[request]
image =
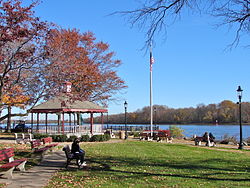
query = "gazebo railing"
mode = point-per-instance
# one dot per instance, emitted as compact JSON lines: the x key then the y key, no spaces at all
{"x":55,"y":129}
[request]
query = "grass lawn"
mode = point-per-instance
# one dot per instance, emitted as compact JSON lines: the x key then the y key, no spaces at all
{"x":150,"y":164}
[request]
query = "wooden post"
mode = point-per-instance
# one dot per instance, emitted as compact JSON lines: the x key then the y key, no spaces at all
{"x":102,"y":120}
{"x":63,"y":122}
{"x":70,"y":122}
{"x":91,"y":123}
{"x":58,"y":122}
{"x":46,"y":122}
{"x":32,"y":121}
{"x":37,"y":122}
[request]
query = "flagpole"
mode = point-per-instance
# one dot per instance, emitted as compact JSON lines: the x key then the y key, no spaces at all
{"x":151,"y":93}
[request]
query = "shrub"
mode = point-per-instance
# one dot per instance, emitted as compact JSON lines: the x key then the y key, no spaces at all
{"x":59,"y":138}
{"x":176,"y":132}
{"x":95,"y":138}
{"x":39,"y":135}
{"x":100,"y":138}
{"x":85,"y":138}
{"x":71,"y":138}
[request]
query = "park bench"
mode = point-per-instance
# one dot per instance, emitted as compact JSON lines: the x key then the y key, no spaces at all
{"x":48,"y":142}
{"x":199,"y":139}
{"x":42,"y":145}
{"x":37,"y":146}
{"x":6,"y":169}
{"x":158,"y":135}
{"x":70,"y":156}
{"x":23,"y":138}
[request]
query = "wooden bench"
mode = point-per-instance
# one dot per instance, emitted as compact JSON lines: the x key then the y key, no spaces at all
{"x":37,"y":146}
{"x":23,"y":138}
{"x":70,"y":157}
{"x":48,"y":142}
{"x":6,"y":169}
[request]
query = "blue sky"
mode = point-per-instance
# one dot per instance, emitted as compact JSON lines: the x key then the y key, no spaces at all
{"x":191,"y":63}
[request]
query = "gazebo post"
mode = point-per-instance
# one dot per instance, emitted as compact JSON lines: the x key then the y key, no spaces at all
{"x":69,"y":122}
{"x":32,"y":119}
{"x":74,"y":118}
{"x":46,"y":122}
{"x":102,"y":120}
{"x":78,"y":118}
{"x":63,"y":122}
{"x":91,"y":122}
{"x":37,"y":122}
{"x":58,"y":122}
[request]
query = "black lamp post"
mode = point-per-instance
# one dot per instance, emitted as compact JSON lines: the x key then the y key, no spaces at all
{"x":239,"y":91}
{"x":125,"y":107}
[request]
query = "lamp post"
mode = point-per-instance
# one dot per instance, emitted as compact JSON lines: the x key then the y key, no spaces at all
{"x":125,"y":108}
{"x":239,"y":91}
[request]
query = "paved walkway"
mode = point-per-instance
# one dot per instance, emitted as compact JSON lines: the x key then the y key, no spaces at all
{"x":38,"y":176}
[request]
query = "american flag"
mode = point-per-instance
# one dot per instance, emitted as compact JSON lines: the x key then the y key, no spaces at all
{"x":151,"y":60}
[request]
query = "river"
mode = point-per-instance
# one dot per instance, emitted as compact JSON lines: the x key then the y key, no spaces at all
{"x":219,"y":131}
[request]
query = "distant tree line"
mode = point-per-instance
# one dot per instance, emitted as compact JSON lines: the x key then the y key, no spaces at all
{"x":226,"y":112}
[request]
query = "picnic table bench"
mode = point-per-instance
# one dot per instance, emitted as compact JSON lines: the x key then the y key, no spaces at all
{"x":6,"y":169}
{"x":23,"y":138}
{"x":70,"y":156}
{"x":42,"y":145}
{"x":48,"y":142}
{"x":205,"y":138}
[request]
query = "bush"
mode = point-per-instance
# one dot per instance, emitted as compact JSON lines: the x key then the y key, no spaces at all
{"x":39,"y":135}
{"x":100,"y":138}
{"x":176,"y":132}
{"x":59,"y":138}
{"x":72,"y":138}
{"x":85,"y":138}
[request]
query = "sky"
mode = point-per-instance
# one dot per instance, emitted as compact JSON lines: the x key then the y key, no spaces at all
{"x":192,"y":62}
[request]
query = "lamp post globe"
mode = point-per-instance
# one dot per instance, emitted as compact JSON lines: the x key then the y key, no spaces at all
{"x":239,"y":92}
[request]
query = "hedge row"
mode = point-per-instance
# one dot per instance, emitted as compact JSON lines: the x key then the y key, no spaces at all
{"x":84,"y":138}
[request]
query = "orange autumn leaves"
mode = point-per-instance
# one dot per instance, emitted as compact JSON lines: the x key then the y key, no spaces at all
{"x":13,"y":98}
{"x":89,"y":65}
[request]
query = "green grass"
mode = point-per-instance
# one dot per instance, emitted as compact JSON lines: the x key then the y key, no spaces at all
{"x":150,"y":164}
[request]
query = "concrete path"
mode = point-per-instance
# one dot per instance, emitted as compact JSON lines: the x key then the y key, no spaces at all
{"x":38,"y":176}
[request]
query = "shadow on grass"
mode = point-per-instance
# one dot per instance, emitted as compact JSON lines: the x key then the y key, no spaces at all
{"x":201,"y":169}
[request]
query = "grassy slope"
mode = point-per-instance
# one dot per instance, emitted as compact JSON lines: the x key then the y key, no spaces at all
{"x":150,"y":164}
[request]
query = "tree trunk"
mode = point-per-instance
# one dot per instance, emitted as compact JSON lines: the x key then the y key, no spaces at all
{"x":9,"y":119}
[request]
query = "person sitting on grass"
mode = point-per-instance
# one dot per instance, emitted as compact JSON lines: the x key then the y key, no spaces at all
{"x":78,"y":152}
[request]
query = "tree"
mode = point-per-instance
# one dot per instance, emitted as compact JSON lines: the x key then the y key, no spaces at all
{"x":89,"y":65}
{"x":21,"y":53}
{"x":153,"y":16}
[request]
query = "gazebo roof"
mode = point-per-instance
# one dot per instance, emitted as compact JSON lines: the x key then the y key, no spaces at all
{"x":62,"y":104}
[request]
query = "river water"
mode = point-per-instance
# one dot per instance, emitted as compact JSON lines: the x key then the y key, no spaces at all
{"x":219,"y":131}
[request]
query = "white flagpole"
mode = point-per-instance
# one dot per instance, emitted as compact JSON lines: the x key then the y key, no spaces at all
{"x":151,"y":93}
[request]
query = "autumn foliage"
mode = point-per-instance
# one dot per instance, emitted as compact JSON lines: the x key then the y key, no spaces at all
{"x":89,"y":65}
{"x":21,"y":51}
{"x":36,"y":58}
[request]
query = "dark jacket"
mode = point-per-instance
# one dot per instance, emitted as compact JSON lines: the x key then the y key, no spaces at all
{"x":75,"y":148}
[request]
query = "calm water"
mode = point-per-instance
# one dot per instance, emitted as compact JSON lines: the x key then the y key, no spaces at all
{"x":218,"y":130}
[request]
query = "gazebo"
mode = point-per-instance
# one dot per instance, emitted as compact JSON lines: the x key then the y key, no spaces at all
{"x":63,"y":108}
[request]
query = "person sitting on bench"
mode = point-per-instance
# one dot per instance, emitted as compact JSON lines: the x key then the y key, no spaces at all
{"x":78,"y":152}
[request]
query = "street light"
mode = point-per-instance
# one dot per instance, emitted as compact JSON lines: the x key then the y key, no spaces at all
{"x":239,"y":91}
{"x":125,"y":107}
